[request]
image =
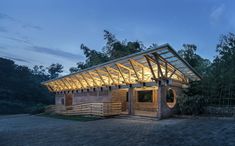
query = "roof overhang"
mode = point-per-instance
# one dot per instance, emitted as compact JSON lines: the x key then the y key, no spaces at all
{"x":153,"y":64}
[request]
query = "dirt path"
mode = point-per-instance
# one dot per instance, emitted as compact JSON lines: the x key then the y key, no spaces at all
{"x":29,"y":130}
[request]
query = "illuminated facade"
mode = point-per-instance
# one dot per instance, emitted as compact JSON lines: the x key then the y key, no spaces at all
{"x":144,"y":83}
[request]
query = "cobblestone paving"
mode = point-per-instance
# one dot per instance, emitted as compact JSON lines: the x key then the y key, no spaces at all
{"x":27,"y":130}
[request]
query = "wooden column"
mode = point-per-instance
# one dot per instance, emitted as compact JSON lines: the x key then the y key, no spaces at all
{"x":131,"y":101}
{"x":161,"y":100}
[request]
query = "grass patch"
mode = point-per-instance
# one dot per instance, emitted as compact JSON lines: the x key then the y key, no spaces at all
{"x":81,"y":118}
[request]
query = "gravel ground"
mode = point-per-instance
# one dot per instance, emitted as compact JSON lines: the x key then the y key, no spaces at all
{"x":27,"y":130}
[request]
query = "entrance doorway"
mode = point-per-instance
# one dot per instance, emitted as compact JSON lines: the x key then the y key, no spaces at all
{"x":146,"y":101}
{"x":143,"y":101}
{"x":68,"y":99}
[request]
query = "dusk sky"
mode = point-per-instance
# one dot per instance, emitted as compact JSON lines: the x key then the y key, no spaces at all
{"x":49,"y":31}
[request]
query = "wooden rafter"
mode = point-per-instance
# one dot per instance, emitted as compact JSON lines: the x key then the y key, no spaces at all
{"x":118,"y":73}
{"x":57,"y":84}
{"x":123,"y":66}
{"x":74,"y":83}
{"x":150,"y":66}
{"x":168,"y":68}
{"x":104,"y":74}
{"x":172,"y":73}
{"x":97,"y":77}
{"x":119,"y":69}
{"x":169,"y":63}
{"x":137,"y":63}
{"x":127,"y":68}
{"x":107,"y":75}
{"x":150,"y":59}
{"x":62,"y":85}
{"x":111,"y":77}
{"x":110,"y":68}
{"x":94,"y":81}
{"x":129,"y":76}
{"x":80,"y":82}
{"x":54,"y":86}
{"x":133,"y":67}
{"x":142,"y":74}
{"x":65,"y":85}
{"x":119,"y":81}
{"x":162,"y":62}
{"x":50,"y":88}
{"x":156,"y":56}
{"x":85,"y":79}
{"x":68,"y":83}
{"x":101,"y":78}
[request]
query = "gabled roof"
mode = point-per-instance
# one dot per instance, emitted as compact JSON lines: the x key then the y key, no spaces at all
{"x":146,"y":66}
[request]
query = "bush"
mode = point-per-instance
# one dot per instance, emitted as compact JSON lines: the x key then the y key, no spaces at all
{"x":37,"y":109}
{"x":191,"y":105}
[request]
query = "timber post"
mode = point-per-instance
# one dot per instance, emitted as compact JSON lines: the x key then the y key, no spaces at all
{"x":131,"y":101}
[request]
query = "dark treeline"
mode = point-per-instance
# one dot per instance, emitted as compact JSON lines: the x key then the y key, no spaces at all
{"x":21,"y":89}
{"x":219,"y":75}
{"x":217,"y":86}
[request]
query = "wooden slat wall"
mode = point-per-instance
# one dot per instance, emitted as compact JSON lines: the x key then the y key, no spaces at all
{"x":98,"y":109}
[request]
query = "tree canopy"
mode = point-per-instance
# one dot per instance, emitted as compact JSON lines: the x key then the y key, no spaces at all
{"x":218,"y":77}
{"x":54,"y":70}
{"x":188,"y":52}
{"x":20,"y":87}
{"x":113,"y":49}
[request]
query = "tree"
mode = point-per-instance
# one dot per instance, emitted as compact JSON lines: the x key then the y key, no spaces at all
{"x":73,"y":69}
{"x":7,"y":69}
{"x":80,"y":66}
{"x":54,"y":70}
{"x":192,"y":101}
{"x":113,"y":49}
{"x":224,"y":63}
{"x":188,"y":52}
{"x":116,"y":49}
{"x":20,"y":88}
{"x":93,"y":57}
{"x":223,"y":67}
{"x":110,"y":40}
{"x":218,"y":81}
{"x":39,"y":70}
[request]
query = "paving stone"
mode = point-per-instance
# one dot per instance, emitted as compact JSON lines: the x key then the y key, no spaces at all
{"x":27,"y":130}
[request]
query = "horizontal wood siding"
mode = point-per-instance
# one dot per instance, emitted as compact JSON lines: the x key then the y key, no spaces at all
{"x":98,"y":109}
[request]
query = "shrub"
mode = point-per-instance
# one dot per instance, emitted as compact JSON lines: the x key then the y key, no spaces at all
{"x":37,"y":109}
{"x":191,"y":105}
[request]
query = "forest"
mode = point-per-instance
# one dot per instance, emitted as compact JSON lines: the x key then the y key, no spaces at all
{"x":21,"y":90}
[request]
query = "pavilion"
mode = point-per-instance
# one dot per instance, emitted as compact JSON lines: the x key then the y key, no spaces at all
{"x":145,"y":83}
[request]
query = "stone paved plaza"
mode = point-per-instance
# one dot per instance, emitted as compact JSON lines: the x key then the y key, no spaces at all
{"x":27,"y":130}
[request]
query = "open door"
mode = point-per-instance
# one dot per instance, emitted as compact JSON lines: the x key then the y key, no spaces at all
{"x":68,"y":99}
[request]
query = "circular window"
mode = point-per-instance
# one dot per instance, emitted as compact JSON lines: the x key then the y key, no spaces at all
{"x":170,"y":98}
